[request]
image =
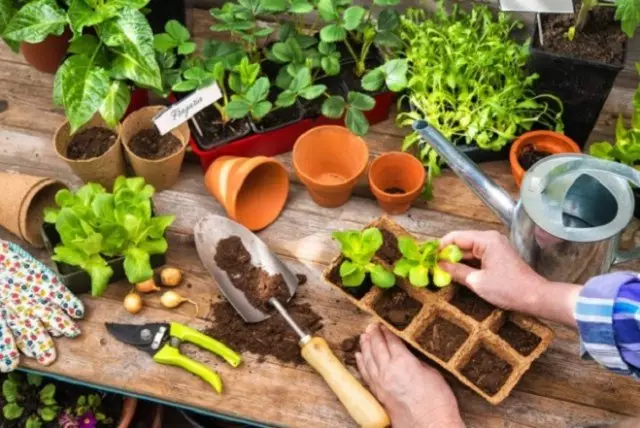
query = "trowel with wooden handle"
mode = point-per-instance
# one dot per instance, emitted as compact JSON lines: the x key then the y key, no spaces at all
{"x":209,"y":231}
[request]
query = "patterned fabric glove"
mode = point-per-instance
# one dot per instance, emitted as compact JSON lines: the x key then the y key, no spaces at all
{"x":33,"y":303}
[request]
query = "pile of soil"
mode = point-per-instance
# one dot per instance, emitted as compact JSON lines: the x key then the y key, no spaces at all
{"x":256,"y":284}
{"x":471,"y":304}
{"x":349,"y":347}
{"x":356,"y":292}
{"x":520,"y":339}
{"x":394,"y":191}
{"x":217,"y":133}
{"x":389,"y":252}
{"x":601,"y":39}
{"x":442,"y":338}
{"x":487,"y":371}
{"x":149,"y":144}
{"x":530,"y":156}
{"x":272,"y":336}
{"x":91,"y":143}
{"x":397,"y":307}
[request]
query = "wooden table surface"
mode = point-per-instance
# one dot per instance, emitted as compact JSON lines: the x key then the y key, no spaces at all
{"x":559,"y":390}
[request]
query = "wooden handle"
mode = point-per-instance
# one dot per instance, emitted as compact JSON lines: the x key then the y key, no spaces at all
{"x":361,"y":405}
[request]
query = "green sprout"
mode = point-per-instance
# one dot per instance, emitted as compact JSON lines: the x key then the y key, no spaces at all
{"x":421,"y":260}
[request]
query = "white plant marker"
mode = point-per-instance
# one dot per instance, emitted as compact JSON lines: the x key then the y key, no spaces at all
{"x":186,"y":108}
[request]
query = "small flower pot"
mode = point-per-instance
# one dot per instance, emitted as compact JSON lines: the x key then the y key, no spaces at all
{"x":548,"y":142}
{"x":253,"y":191}
{"x":328,"y":160}
{"x":160,"y":173}
{"x":47,"y":55}
{"x":103,"y":169}
{"x":396,"y":179}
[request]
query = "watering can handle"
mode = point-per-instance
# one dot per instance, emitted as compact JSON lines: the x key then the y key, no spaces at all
{"x":590,"y":164}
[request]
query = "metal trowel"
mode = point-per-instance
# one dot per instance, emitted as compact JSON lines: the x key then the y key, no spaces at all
{"x":210,"y":230}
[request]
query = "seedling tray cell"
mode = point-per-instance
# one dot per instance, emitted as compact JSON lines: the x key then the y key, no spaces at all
{"x":457,"y":329}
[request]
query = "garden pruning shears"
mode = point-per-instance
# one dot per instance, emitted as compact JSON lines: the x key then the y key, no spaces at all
{"x":162,"y":341}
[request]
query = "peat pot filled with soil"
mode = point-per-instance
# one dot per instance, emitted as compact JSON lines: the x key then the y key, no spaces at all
{"x":93,"y":152}
{"x":581,"y":72}
{"x":157,"y":158}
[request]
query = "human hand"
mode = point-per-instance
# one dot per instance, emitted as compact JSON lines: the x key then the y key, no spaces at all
{"x":32,"y":304}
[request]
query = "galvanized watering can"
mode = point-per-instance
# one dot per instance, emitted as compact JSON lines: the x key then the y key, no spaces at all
{"x":570,"y":215}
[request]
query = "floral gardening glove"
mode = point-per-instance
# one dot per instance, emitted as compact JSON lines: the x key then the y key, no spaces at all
{"x":32,"y":304}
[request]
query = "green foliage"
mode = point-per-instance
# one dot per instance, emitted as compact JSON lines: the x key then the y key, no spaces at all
{"x":355,"y":104}
{"x":421,"y":260}
{"x":358,"y":248}
{"x":300,"y":86}
{"x":172,"y":47}
{"x":93,"y":224}
{"x":16,"y":389}
{"x":627,"y":12}
{"x":34,"y":21}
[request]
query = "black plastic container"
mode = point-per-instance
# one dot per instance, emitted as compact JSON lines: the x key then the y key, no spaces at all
{"x":162,"y":11}
{"x":77,"y":280}
{"x":582,"y":85}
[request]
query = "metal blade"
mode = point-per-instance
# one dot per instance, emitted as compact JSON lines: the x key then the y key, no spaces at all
{"x":210,"y":230}
{"x":140,"y":336}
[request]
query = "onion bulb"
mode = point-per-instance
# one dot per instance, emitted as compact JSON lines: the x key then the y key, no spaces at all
{"x":171,"y":299}
{"x":133,"y":303}
{"x":147,"y":286}
{"x":170,"y":277}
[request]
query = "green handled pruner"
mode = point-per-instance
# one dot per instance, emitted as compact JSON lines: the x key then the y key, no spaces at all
{"x":162,"y":342}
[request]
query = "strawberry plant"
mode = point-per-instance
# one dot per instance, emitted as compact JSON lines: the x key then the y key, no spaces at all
{"x":173,"y":48}
{"x":420,"y":260}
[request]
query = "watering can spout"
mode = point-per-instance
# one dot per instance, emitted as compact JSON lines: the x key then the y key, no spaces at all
{"x":494,"y":196}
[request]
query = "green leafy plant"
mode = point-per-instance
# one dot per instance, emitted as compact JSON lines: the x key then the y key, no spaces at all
{"x":20,"y":391}
{"x":358,"y":248}
{"x":627,"y":12}
{"x":30,"y":21}
{"x":88,"y":411}
{"x":94,"y":224}
{"x":173,"y":48}
{"x":420,"y":260}
{"x":355,"y":104}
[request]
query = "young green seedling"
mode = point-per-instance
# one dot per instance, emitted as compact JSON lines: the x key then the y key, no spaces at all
{"x":301,"y":86}
{"x":172,"y":49}
{"x":359,"y":248}
{"x":420,"y":260}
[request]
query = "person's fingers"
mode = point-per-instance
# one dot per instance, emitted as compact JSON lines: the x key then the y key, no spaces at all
{"x":362,"y":368}
{"x":395,"y":345}
{"x":379,"y":348}
{"x":367,"y":356}
{"x":461,"y":273}
{"x":471,"y":241}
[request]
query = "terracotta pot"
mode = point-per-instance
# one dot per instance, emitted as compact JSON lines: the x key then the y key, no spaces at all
{"x":542,"y":141}
{"x":398,"y":171}
{"x":252,"y":190}
{"x":47,"y":55}
{"x":129,"y":405}
{"x":103,"y":169}
{"x":161,"y":173}
{"x":328,"y":160}
{"x":24,"y":199}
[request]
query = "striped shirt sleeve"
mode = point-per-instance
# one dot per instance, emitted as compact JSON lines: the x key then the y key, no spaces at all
{"x":608,"y":316}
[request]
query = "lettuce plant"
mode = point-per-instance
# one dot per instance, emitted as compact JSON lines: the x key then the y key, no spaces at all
{"x":358,"y":248}
{"x":95,"y":225}
{"x":419,"y":260}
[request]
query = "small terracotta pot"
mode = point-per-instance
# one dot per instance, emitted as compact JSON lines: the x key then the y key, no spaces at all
{"x":103,"y":169}
{"x":542,"y":141}
{"x":161,"y":173}
{"x":328,"y":160}
{"x":129,"y":405}
{"x":252,"y":190}
{"x":398,"y":171}
{"x":47,"y":55}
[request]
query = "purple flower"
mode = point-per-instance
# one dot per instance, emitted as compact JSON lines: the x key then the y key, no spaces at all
{"x":88,"y":420}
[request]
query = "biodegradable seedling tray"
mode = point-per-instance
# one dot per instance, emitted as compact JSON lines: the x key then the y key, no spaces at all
{"x":465,"y":335}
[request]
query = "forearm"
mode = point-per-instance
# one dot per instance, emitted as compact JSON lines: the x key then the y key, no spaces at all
{"x":556,"y":301}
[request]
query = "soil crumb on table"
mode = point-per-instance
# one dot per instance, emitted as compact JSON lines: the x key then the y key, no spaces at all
{"x":91,"y":143}
{"x":471,"y":304}
{"x":520,"y":339}
{"x":272,"y":336}
{"x":149,"y":144}
{"x":256,"y":284}
{"x":389,"y":252}
{"x":397,"y":307}
{"x":442,"y":338}
{"x":349,"y":347}
{"x":302,"y":278}
{"x":487,"y":371}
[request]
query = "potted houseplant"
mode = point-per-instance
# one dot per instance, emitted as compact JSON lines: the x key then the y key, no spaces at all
{"x":396,"y":179}
{"x":580,"y":58}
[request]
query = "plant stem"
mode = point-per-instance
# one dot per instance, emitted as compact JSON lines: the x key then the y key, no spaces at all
{"x":353,"y":53}
{"x":583,"y":14}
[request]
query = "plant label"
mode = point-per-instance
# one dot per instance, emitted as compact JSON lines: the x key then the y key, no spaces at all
{"x":537,"y":6}
{"x":184,"y":110}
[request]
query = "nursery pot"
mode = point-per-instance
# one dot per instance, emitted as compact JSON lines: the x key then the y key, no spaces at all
{"x":328,"y":160}
{"x":253,"y":191}
{"x":25,"y":198}
{"x":161,"y":173}
{"x":47,"y":55}
{"x":541,"y":141}
{"x":396,"y":179}
{"x":103,"y":169}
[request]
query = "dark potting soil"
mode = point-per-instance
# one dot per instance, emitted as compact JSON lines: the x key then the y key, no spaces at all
{"x":149,"y":144}
{"x":530,"y":156}
{"x":520,"y":339}
{"x":394,"y":191}
{"x":471,"y":304}
{"x":90,"y":143}
{"x":215,"y":130}
{"x":442,"y":338}
{"x":355,"y":292}
{"x":279,"y":117}
{"x":487,"y":371}
{"x":256,"y":284}
{"x":272,"y":336}
{"x":389,"y":252}
{"x":601,"y":39}
{"x":349,"y":347}
{"x":397,"y":307}
{"x":302,"y":278}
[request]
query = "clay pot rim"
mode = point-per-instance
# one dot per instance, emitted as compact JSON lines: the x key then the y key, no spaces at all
{"x":23,"y":221}
{"x":80,"y":161}
{"x":407,"y":194}
{"x":175,"y":132}
{"x":306,"y":178}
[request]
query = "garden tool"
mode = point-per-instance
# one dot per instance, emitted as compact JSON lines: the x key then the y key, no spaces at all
{"x":33,"y":306}
{"x":162,"y":341}
{"x":210,"y":230}
{"x":570,"y":215}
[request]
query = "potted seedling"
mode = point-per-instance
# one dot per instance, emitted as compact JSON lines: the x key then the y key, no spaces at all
{"x":420,"y":261}
{"x":579,"y":56}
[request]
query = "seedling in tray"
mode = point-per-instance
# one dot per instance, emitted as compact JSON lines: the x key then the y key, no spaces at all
{"x":420,"y":260}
